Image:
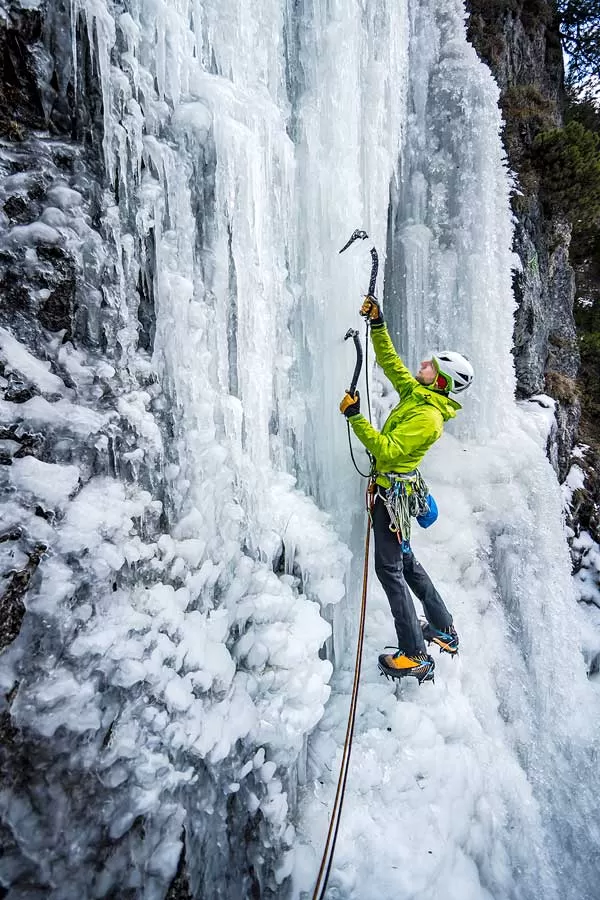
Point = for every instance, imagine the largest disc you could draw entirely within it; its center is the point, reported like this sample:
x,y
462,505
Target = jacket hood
x,y
446,405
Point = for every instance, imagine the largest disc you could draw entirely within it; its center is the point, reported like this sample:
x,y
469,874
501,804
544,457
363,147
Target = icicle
x,y
74,12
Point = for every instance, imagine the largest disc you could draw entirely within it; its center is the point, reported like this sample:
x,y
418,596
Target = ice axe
x,y
353,333
359,235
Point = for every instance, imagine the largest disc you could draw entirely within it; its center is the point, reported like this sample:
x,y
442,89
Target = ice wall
x,y
170,659
448,276
176,651
473,779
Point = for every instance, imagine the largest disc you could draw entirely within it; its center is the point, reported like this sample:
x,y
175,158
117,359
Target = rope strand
x,y
332,833
327,859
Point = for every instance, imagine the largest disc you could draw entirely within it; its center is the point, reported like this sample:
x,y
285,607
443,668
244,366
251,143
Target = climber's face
x,y
427,373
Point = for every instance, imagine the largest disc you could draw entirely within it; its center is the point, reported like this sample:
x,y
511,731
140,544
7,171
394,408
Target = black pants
x,y
398,571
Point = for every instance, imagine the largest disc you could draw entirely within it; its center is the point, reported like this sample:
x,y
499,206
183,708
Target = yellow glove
x,y
350,405
371,310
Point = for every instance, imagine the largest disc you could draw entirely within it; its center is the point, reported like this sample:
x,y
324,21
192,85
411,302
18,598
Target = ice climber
x,y
409,431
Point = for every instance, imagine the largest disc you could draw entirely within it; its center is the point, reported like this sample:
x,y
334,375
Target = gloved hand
x,y
371,310
350,405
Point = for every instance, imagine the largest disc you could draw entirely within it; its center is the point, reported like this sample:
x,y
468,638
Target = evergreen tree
x,y
569,161
580,29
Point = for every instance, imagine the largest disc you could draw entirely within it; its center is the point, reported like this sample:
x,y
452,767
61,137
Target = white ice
x,y
199,628
18,360
49,483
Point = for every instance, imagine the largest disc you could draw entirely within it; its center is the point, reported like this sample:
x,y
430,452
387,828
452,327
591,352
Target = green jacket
x,y
413,425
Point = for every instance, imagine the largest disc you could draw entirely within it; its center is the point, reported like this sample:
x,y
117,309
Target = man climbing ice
x,y
409,431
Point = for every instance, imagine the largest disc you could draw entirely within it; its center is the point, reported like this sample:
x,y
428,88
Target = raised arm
x,y
385,353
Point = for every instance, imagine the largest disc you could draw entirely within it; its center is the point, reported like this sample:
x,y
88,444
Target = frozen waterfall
x,y
181,678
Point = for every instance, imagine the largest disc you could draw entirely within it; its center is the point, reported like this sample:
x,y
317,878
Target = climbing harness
x,y
406,498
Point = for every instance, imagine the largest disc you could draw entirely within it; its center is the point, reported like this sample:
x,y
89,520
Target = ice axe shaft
x,y
374,270
352,333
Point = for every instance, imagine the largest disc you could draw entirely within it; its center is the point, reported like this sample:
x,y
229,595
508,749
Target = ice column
x,y
449,269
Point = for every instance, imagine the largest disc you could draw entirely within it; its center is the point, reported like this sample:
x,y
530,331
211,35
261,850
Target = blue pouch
x,y
428,518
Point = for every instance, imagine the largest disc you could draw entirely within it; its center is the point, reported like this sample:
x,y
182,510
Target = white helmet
x,y
456,369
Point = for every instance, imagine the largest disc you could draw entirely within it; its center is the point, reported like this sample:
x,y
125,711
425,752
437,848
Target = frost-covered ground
x,y
176,448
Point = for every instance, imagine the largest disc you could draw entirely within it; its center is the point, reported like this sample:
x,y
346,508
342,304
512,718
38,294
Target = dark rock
x,y
47,514
14,296
56,313
180,887
568,415
30,443
20,99
17,391
12,607
37,188
520,41
17,209
11,534
585,504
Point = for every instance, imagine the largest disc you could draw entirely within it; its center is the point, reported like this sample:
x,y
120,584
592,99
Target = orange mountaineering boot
x,y
420,665
446,640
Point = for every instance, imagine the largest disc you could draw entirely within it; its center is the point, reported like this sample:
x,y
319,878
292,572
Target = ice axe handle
x,y
352,333
374,271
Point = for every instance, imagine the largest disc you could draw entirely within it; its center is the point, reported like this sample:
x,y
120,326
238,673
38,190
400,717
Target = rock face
x,y
48,202
60,428
521,44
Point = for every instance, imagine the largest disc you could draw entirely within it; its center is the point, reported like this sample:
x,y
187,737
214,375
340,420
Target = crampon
x,y
420,666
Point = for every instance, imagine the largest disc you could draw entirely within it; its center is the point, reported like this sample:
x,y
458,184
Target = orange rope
x,y
327,859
